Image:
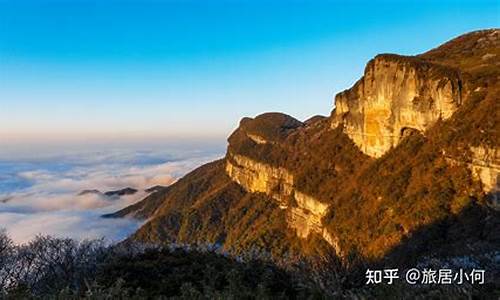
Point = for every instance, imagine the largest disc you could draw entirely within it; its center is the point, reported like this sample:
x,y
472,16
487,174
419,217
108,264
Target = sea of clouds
x,y
39,192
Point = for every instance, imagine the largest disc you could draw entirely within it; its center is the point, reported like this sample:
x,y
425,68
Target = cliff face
x,y
257,177
270,133
396,95
303,212
406,164
484,164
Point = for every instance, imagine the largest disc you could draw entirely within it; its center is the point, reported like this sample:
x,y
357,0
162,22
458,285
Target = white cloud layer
x,y
42,195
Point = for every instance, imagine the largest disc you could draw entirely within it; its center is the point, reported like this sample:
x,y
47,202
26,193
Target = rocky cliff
x,y
305,212
406,165
484,164
396,95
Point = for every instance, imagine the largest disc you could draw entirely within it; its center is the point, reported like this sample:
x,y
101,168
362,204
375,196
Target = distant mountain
x,y
155,188
406,166
87,192
114,193
6,199
122,192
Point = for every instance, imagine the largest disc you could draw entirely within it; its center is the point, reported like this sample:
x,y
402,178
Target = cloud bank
x,y
40,195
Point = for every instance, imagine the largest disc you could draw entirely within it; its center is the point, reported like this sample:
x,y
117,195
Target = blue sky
x,y
110,70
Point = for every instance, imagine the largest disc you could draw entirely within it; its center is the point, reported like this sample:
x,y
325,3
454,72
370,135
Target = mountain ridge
x,y
396,155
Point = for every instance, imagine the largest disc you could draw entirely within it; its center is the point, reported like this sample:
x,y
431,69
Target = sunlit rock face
x,y
304,213
306,216
257,177
485,165
396,95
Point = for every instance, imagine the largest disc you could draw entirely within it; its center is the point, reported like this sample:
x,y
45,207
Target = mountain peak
x,y
410,149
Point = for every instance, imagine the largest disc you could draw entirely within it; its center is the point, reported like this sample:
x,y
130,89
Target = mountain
x,y
121,192
405,166
114,193
6,199
89,192
155,188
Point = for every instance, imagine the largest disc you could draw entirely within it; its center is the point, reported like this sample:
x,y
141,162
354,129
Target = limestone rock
x,y
397,94
484,164
305,213
268,127
255,177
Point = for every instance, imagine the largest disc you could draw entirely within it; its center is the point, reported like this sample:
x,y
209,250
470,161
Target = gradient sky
x,y
82,70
